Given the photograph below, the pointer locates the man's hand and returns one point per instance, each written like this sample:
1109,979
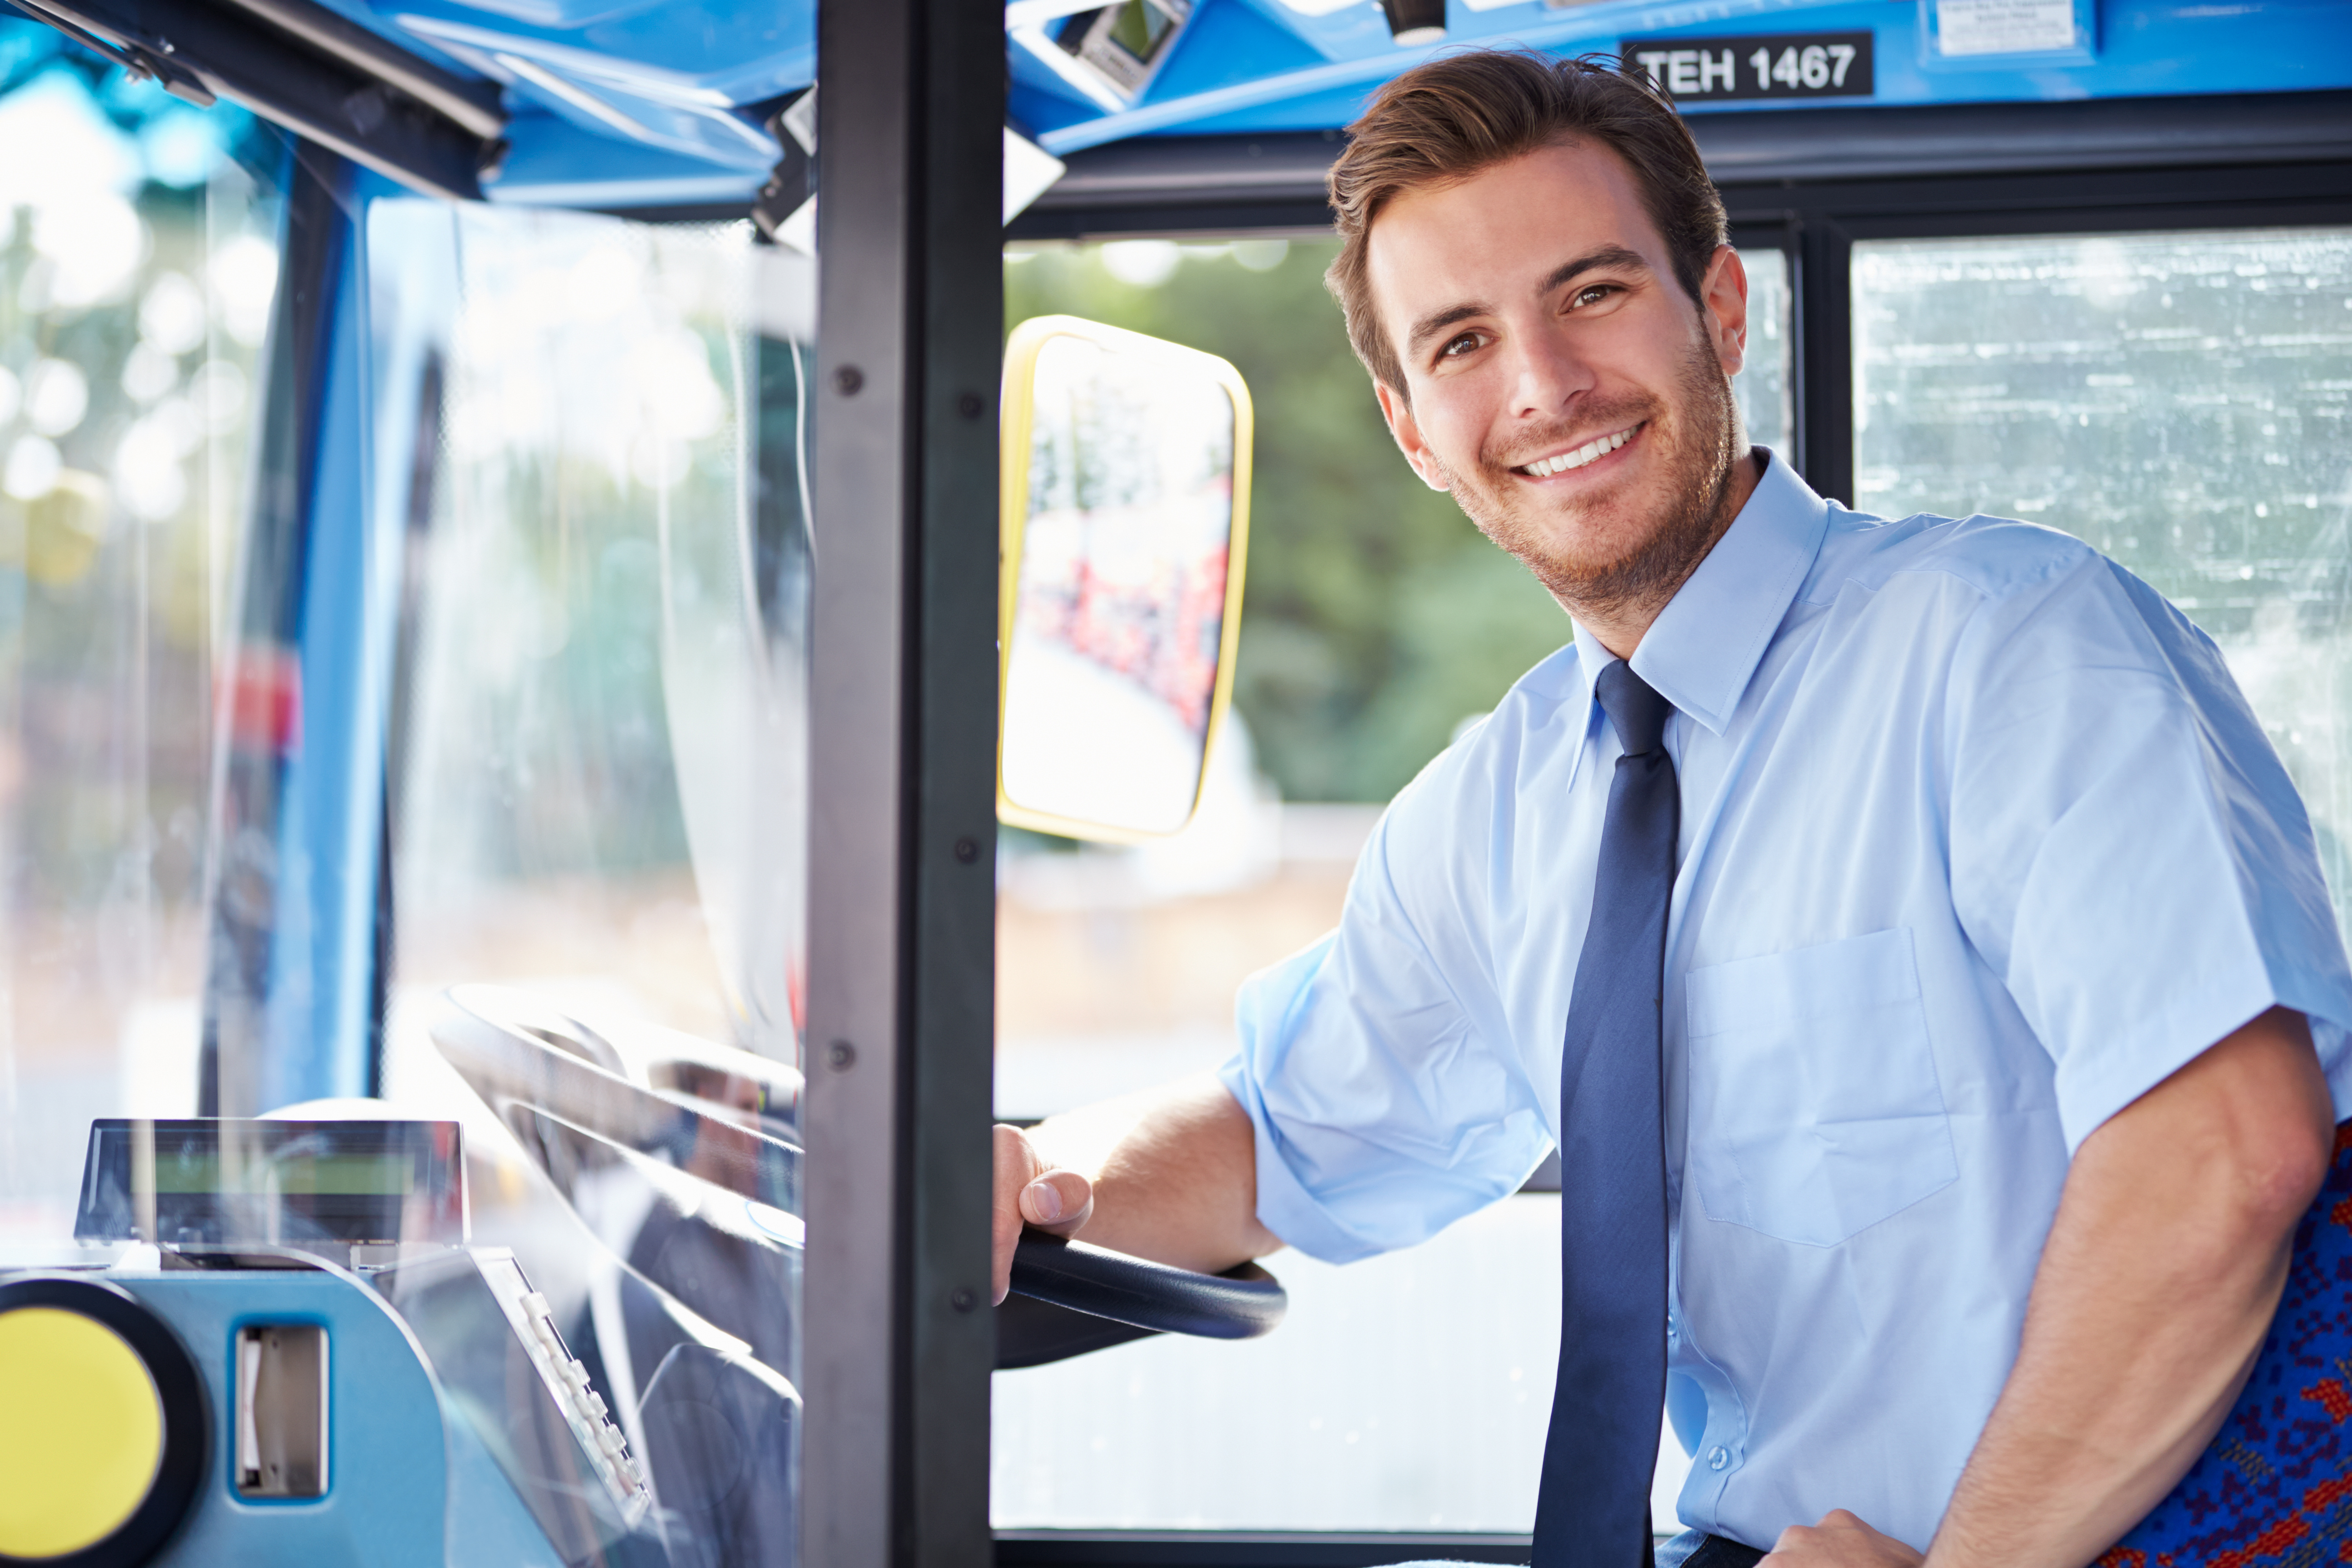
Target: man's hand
1840,1541
1030,1190
1169,1174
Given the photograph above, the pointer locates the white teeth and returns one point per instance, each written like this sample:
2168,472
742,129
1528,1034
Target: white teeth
1543,467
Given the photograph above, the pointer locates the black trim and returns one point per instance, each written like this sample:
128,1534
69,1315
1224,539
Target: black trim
1909,141
902,788
187,1427
1822,367
1199,185
1246,1549
2070,201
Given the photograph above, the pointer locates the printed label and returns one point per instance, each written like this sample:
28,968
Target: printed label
1780,65
2003,27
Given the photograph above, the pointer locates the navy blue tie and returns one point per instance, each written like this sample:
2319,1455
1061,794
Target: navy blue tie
1593,1511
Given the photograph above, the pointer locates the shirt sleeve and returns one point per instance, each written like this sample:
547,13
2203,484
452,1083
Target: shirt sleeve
1381,1116
2127,850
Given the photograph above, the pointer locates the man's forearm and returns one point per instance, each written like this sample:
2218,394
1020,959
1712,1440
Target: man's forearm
2156,1286
1174,1172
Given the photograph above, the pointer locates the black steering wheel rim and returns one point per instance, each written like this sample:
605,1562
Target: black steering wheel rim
1240,1304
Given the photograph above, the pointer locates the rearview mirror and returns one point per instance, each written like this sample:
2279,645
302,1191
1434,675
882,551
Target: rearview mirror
1126,472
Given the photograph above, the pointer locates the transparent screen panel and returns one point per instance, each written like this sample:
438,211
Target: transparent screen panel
1378,621
139,242
2180,401
597,838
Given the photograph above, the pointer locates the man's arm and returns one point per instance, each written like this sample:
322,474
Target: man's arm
1169,1174
2156,1288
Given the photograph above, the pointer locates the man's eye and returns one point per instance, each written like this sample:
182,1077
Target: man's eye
1591,294
1460,346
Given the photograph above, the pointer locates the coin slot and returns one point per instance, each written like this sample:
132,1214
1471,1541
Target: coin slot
281,1410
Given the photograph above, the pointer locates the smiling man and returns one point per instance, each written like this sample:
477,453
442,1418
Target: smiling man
1903,930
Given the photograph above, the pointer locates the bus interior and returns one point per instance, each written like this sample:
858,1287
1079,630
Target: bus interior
559,764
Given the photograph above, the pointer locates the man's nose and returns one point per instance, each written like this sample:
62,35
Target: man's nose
1546,374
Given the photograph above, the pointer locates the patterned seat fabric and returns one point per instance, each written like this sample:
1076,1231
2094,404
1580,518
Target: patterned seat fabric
2275,1485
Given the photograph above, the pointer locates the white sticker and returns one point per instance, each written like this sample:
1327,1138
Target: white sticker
2003,27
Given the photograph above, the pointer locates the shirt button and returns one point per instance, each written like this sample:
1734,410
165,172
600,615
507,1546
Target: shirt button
1719,1458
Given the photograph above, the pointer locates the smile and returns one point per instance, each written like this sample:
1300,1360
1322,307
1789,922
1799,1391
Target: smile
1560,462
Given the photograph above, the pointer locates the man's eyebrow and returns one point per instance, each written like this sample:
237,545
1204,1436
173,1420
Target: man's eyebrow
1428,326
1608,255
1615,255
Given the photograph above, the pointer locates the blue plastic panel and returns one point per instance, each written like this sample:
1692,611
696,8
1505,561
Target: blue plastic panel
387,1472
1218,81
633,102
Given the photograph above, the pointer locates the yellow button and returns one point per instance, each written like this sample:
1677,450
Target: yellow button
81,1431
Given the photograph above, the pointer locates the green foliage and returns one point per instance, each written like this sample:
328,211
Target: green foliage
1377,617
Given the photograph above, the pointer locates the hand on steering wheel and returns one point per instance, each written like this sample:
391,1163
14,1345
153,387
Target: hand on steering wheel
1037,1208
1056,1201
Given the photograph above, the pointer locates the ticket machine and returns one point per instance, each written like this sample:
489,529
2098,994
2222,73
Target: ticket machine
294,1352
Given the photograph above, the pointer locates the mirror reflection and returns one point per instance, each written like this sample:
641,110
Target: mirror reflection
1126,526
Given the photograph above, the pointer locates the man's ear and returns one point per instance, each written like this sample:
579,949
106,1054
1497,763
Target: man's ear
1723,308
1399,413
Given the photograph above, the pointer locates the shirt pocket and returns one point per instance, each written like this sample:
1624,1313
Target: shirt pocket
1815,1110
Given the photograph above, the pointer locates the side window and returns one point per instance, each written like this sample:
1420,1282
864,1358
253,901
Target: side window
138,243
2180,401
1764,387
1378,621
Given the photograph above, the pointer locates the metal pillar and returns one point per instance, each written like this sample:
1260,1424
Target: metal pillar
899,1337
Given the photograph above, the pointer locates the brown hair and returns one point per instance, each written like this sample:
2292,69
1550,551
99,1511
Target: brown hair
1461,114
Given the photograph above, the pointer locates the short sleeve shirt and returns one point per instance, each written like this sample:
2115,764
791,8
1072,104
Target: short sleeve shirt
1979,843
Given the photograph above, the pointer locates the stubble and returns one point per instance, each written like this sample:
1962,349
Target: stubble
1701,434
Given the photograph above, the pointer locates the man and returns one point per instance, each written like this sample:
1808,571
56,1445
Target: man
1903,928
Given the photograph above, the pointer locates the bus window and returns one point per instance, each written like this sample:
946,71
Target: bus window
1379,622
2178,399
1764,387
138,267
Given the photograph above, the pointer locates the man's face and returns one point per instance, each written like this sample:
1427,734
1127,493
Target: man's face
1557,379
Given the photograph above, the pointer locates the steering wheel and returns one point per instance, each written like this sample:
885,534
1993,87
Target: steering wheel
656,1093
1239,1304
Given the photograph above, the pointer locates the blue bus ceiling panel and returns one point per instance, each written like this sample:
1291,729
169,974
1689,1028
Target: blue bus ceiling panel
555,162
2145,48
674,76
307,70
902,859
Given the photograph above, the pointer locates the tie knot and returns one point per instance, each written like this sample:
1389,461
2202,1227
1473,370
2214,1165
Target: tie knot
1634,708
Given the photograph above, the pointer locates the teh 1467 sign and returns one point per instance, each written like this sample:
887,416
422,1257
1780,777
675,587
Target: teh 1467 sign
1781,65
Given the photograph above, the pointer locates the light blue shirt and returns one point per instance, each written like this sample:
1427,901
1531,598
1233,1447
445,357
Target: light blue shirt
1979,842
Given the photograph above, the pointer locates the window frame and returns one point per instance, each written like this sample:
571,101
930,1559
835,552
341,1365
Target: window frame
2243,162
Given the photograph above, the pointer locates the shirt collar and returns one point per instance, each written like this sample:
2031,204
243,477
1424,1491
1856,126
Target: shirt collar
1706,644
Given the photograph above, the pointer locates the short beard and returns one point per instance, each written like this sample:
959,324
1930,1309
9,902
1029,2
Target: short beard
1705,442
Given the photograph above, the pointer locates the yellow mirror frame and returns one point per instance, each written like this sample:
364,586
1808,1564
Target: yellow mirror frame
1018,405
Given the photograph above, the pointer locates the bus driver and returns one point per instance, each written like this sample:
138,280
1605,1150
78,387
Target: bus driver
1905,930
